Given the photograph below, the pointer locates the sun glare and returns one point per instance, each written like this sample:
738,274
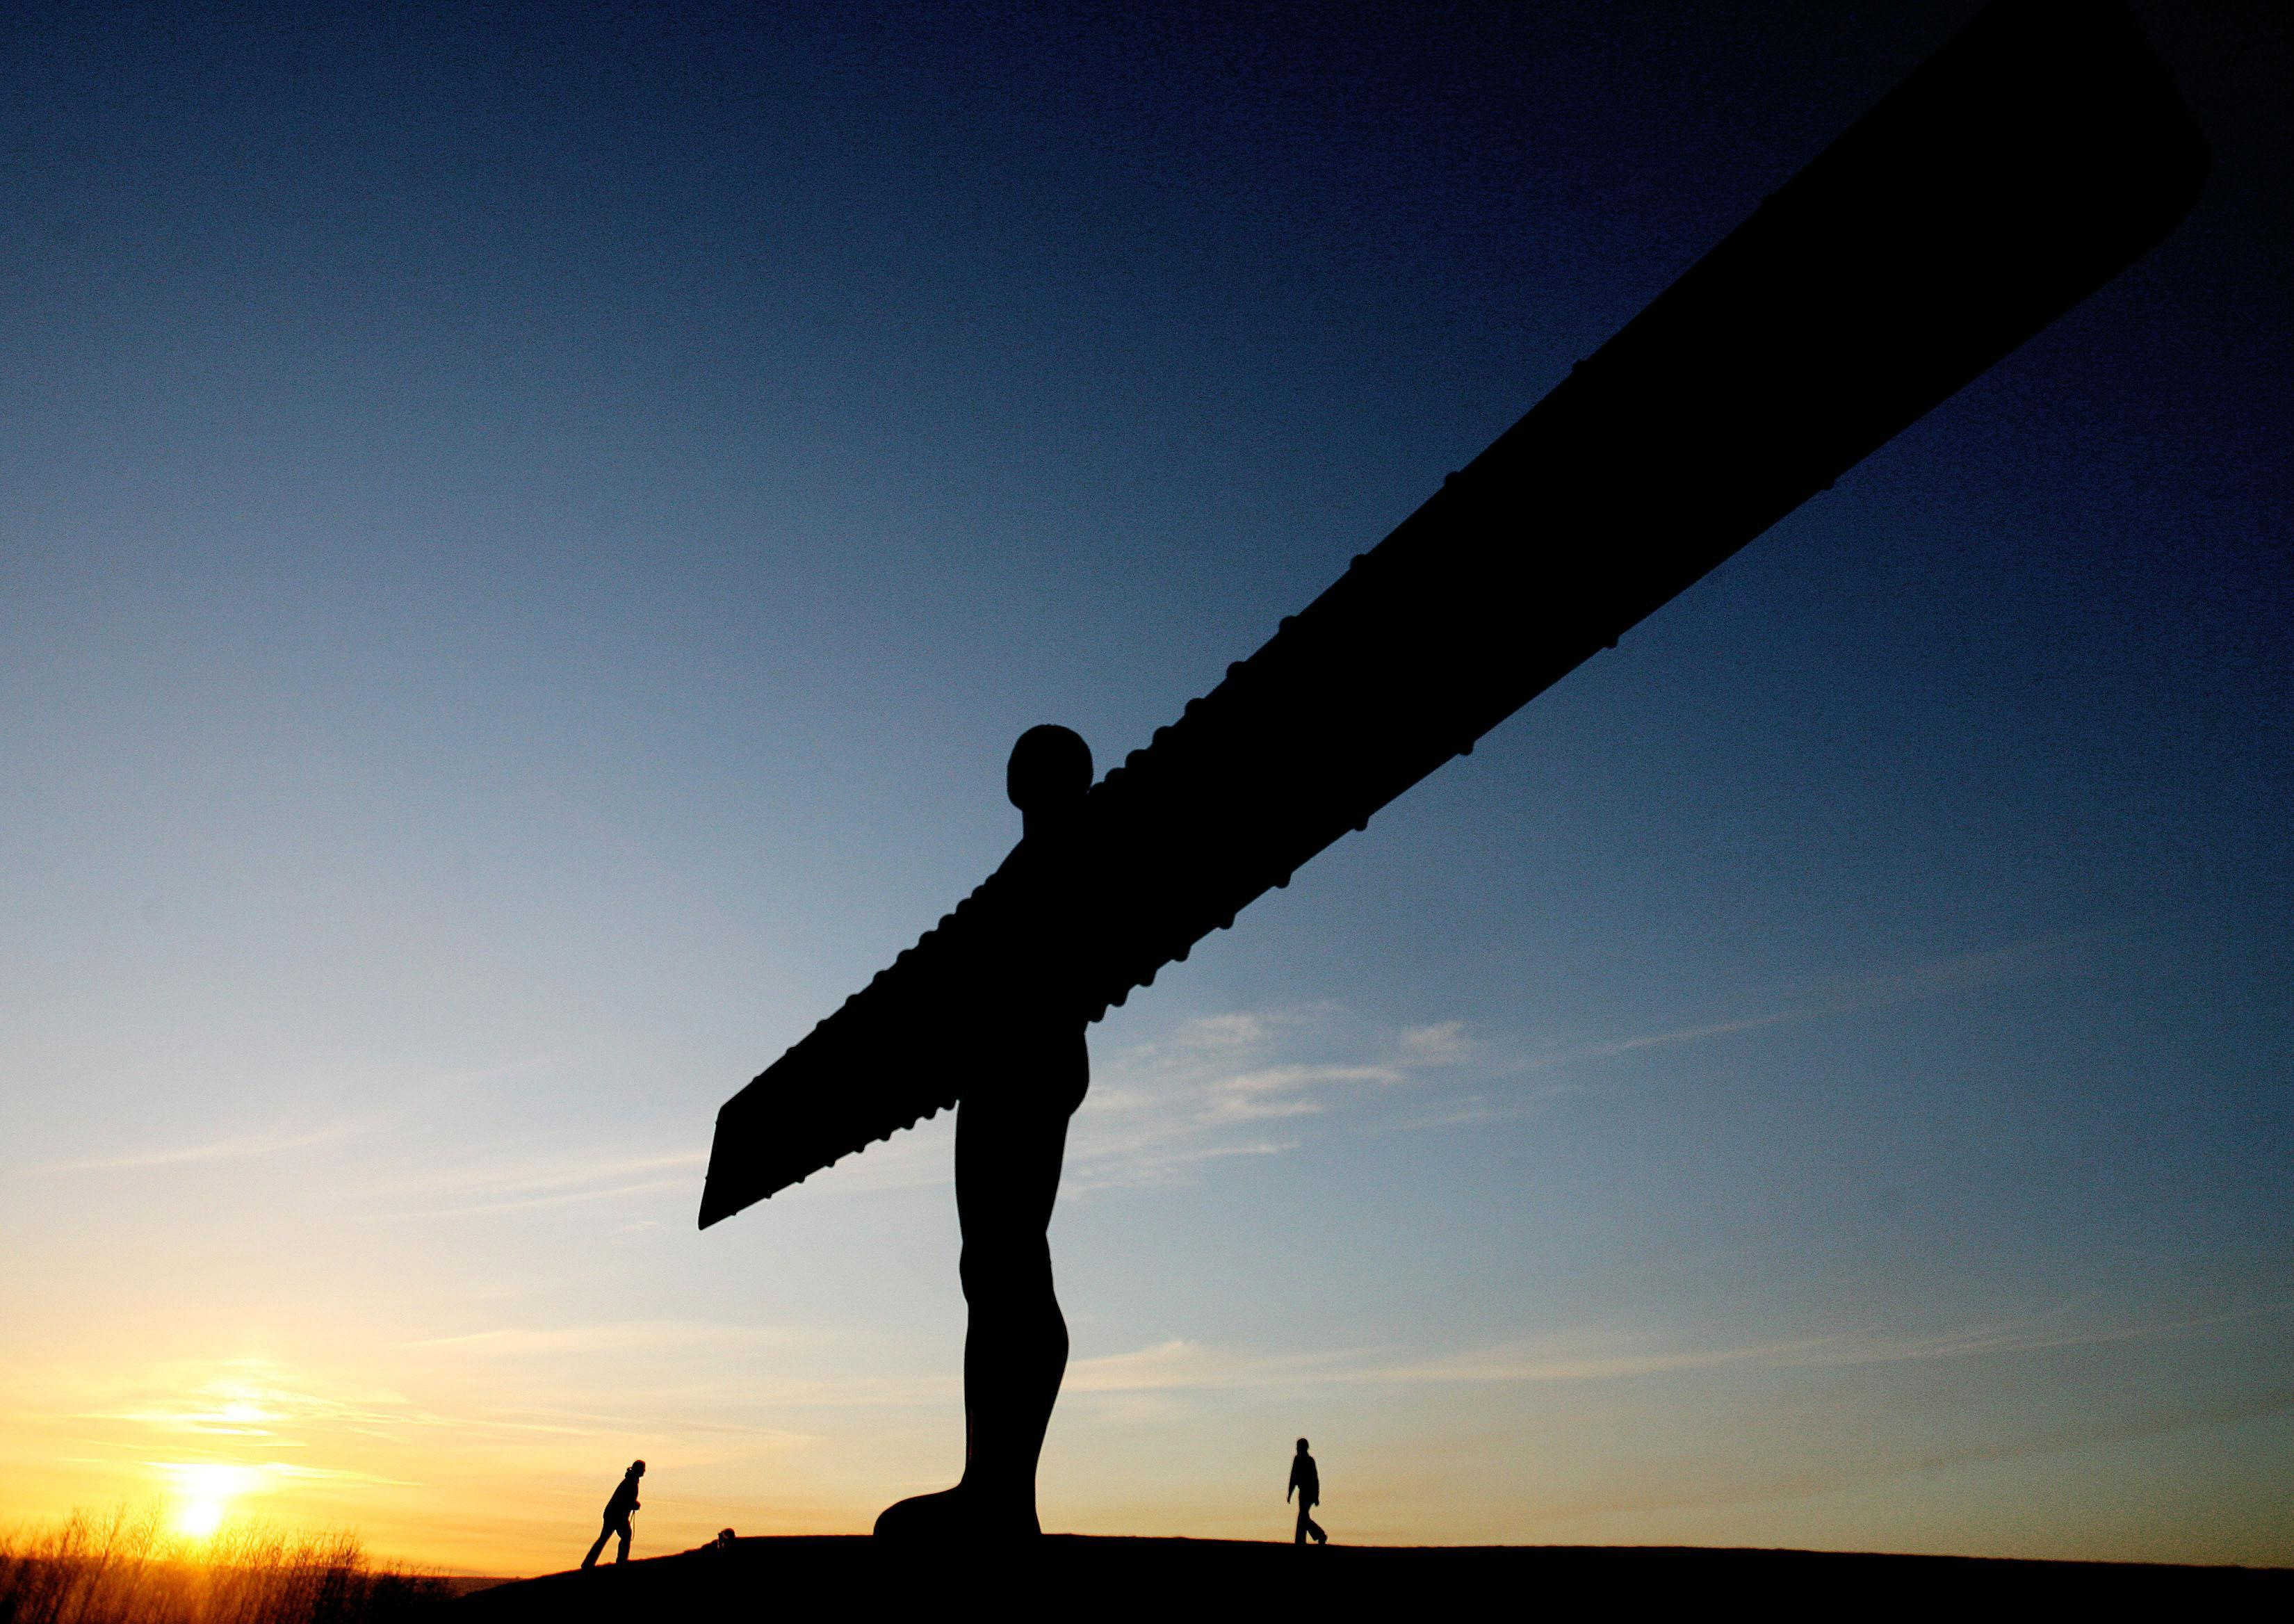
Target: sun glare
203,1495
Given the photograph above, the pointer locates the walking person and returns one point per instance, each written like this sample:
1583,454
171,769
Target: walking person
618,1509
1306,1483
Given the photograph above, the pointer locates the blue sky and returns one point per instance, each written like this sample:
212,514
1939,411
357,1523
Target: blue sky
528,535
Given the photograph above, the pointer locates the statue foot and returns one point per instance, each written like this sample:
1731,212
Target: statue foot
956,1516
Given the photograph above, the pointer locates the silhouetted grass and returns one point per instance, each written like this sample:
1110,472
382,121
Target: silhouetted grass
124,1570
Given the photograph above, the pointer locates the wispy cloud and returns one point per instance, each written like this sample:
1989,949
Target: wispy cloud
1180,1365
615,1337
258,1474
270,1142
236,1398
508,1183
1158,1111
1212,1089
1961,973
1286,1090
1598,1356
233,1409
399,1082
548,1175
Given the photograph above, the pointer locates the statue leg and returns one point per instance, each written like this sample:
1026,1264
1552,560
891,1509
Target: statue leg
1008,1158
1010,1140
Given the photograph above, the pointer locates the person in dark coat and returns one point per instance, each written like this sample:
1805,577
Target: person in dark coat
618,1508
1306,1483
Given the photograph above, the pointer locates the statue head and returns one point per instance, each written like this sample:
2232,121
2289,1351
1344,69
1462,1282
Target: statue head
1049,772
1302,1446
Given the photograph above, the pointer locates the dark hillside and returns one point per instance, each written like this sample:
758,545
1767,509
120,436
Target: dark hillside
1185,1579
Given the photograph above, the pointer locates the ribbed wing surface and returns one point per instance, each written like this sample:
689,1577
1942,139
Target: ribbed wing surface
2035,157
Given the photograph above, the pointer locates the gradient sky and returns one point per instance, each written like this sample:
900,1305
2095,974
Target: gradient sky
529,532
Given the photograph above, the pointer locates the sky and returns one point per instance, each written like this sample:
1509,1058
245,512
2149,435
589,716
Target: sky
526,533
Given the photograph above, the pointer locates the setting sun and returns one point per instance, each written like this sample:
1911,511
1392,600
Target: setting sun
203,1494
